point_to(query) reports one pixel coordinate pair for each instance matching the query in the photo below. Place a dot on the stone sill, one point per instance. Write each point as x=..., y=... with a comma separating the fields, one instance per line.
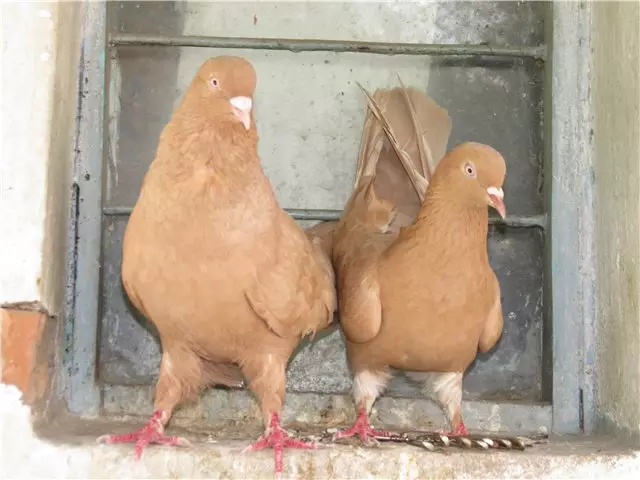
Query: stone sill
x=76, y=455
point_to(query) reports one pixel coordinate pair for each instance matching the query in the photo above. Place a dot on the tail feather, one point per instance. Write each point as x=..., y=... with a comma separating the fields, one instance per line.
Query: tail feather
x=405, y=135
x=426, y=158
x=417, y=180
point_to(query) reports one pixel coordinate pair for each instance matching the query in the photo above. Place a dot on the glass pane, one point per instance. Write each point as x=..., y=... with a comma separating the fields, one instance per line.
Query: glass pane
x=498, y=23
x=310, y=114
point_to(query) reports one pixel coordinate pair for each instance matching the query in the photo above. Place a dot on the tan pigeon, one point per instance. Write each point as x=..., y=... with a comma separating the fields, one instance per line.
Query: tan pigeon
x=227, y=277
x=422, y=298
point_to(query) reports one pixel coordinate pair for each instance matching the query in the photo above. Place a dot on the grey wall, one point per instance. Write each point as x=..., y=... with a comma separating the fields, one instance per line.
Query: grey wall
x=616, y=100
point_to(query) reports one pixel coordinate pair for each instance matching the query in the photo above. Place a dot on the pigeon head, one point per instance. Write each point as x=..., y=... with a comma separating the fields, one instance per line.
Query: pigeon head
x=223, y=88
x=472, y=174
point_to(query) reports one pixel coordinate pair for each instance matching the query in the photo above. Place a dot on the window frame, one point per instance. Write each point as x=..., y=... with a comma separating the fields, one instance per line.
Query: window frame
x=569, y=263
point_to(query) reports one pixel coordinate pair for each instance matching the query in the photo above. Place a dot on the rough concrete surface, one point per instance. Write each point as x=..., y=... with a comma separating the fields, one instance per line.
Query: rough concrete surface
x=39, y=82
x=219, y=408
x=79, y=457
x=25, y=130
x=616, y=99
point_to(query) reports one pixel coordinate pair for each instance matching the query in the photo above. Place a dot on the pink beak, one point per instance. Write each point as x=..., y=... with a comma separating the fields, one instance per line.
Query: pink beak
x=241, y=107
x=496, y=200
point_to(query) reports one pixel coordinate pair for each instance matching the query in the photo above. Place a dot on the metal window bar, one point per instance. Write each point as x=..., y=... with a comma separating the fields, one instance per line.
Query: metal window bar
x=84, y=395
x=337, y=46
x=516, y=221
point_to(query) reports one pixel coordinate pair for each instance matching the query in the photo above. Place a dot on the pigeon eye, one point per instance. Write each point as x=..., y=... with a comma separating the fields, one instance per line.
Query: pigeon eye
x=214, y=82
x=469, y=170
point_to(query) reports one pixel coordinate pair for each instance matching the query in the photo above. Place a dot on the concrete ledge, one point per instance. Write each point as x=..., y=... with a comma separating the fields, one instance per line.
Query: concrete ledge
x=65, y=448
x=217, y=408
x=559, y=459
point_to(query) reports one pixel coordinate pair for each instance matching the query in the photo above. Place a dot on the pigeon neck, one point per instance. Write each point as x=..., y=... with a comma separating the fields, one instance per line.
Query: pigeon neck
x=219, y=144
x=450, y=222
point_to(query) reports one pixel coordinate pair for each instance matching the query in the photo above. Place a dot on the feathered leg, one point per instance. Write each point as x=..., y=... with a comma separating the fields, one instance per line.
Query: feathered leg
x=367, y=387
x=267, y=379
x=446, y=388
x=179, y=378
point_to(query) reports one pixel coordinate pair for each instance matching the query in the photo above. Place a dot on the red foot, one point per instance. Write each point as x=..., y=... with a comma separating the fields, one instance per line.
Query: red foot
x=459, y=431
x=278, y=439
x=363, y=429
x=152, y=432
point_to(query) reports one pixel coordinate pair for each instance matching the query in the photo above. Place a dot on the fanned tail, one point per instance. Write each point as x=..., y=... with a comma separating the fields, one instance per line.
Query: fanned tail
x=418, y=180
x=405, y=136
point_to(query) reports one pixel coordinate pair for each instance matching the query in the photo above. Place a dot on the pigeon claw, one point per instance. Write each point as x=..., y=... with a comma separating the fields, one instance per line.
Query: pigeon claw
x=363, y=429
x=152, y=432
x=459, y=431
x=277, y=438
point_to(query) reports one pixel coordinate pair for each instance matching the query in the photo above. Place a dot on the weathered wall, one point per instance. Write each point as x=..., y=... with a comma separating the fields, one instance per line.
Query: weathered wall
x=40, y=53
x=616, y=97
x=38, y=113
